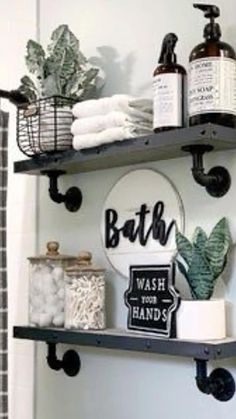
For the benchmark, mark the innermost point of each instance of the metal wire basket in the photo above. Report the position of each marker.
(44, 125)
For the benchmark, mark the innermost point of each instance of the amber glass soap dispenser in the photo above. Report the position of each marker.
(168, 88)
(212, 76)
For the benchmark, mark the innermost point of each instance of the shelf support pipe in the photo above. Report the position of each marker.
(220, 383)
(217, 181)
(70, 362)
(73, 196)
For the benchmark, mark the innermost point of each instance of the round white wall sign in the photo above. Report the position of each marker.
(138, 220)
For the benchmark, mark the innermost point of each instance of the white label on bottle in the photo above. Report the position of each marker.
(167, 100)
(212, 86)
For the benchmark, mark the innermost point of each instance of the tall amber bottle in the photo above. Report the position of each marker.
(168, 88)
(212, 76)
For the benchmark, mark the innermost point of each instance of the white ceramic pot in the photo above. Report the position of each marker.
(201, 320)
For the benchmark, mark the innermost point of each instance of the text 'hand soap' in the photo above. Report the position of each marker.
(212, 76)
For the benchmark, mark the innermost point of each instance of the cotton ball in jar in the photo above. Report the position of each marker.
(45, 270)
(45, 319)
(58, 273)
(61, 293)
(34, 318)
(52, 310)
(36, 268)
(51, 304)
(58, 320)
(37, 302)
(36, 283)
(49, 286)
(60, 305)
(51, 299)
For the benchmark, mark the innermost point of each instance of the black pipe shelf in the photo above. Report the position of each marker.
(131, 341)
(161, 146)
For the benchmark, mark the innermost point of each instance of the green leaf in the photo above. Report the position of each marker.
(65, 71)
(206, 258)
(28, 88)
(200, 277)
(217, 246)
(74, 84)
(26, 81)
(62, 62)
(90, 75)
(182, 268)
(82, 60)
(184, 247)
(79, 88)
(51, 86)
(87, 92)
(35, 58)
(63, 52)
(200, 239)
(61, 38)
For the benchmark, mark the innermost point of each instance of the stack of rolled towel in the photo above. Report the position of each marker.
(115, 118)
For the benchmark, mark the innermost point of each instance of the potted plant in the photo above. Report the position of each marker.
(62, 76)
(201, 262)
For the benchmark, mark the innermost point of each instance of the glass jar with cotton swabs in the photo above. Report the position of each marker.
(85, 294)
(47, 287)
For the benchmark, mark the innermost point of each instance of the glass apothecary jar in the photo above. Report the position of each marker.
(47, 287)
(85, 294)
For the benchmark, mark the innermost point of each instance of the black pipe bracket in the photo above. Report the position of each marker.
(70, 362)
(73, 196)
(220, 383)
(217, 181)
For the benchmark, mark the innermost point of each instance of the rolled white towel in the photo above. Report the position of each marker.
(142, 104)
(124, 103)
(101, 106)
(112, 119)
(107, 136)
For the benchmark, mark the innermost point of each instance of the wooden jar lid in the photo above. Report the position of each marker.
(52, 253)
(83, 264)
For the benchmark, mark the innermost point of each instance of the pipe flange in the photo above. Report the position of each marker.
(73, 199)
(71, 363)
(220, 187)
(223, 384)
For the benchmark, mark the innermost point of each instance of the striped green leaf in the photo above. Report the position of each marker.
(200, 277)
(217, 246)
(205, 258)
(200, 239)
(184, 247)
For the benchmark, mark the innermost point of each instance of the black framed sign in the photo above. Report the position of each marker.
(152, 299)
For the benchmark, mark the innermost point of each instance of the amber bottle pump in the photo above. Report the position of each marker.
(212, 81)
(168, 88)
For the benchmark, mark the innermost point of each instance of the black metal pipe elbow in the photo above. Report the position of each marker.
(203, 178)
(53, 362)
(203, 385)
(54, 193)
(217, 181)
(73, 196)
(70, 362)
(220, 383)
